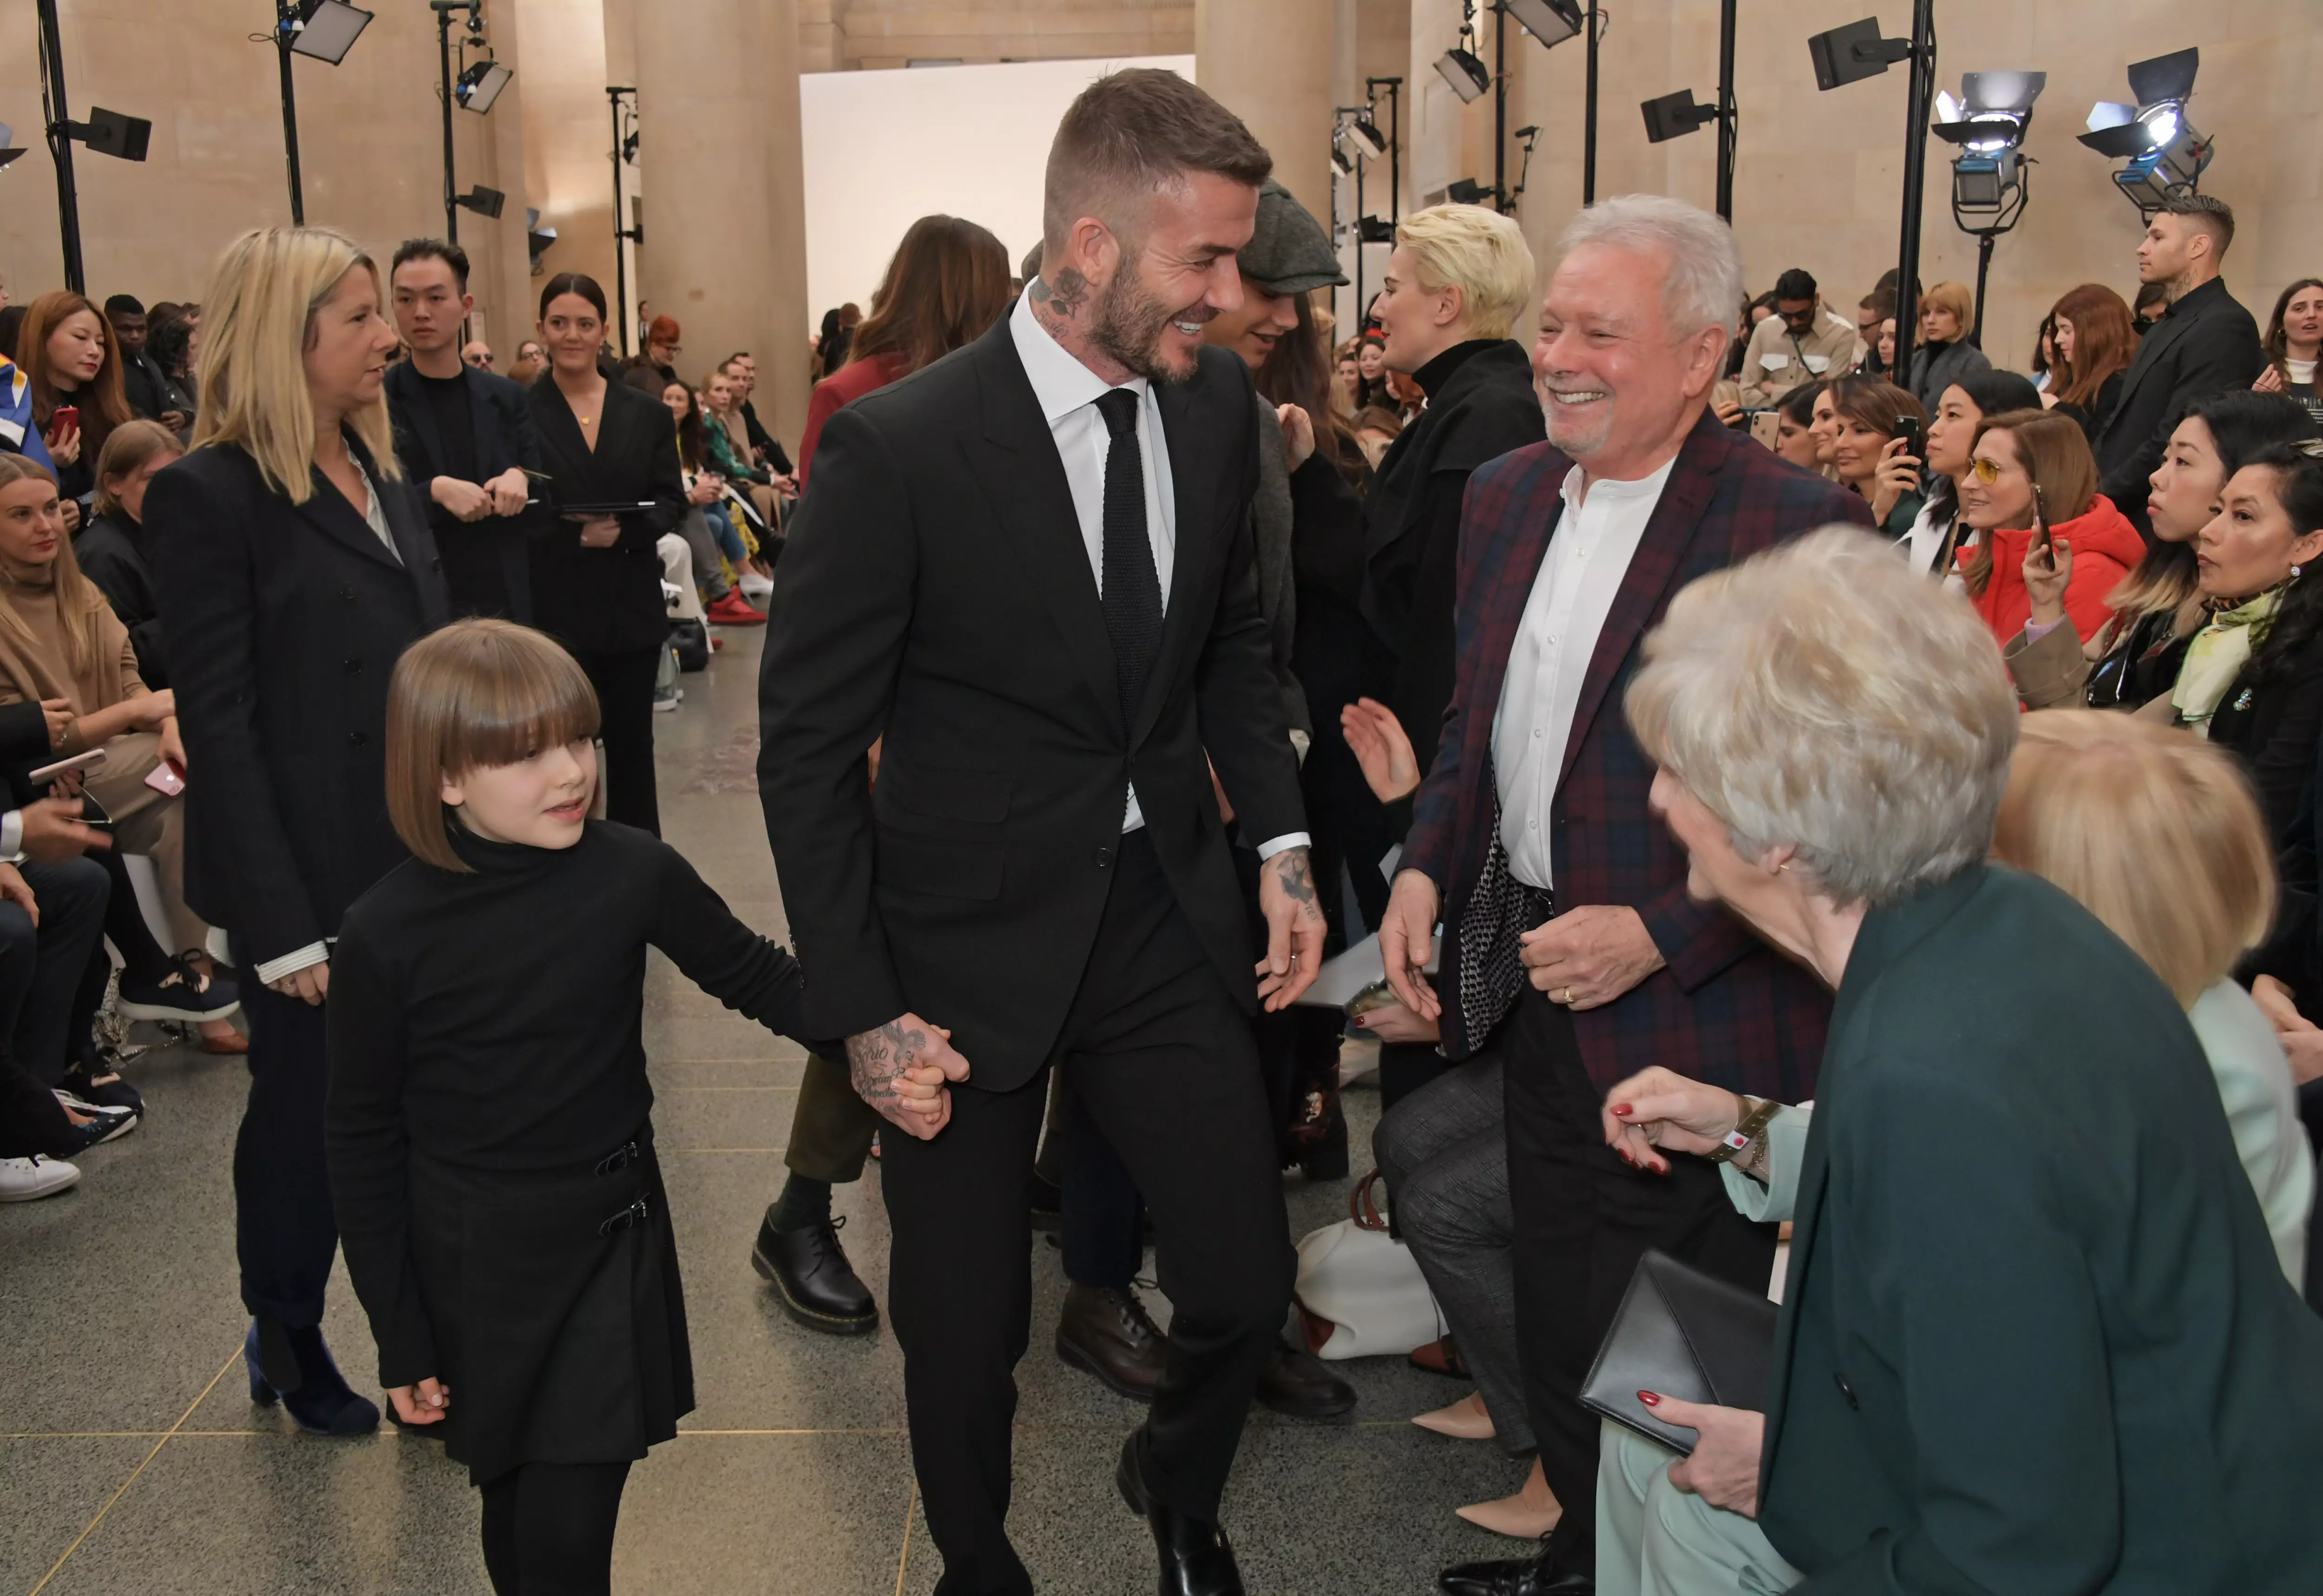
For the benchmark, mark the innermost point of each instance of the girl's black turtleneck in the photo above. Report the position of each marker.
(492, 1021)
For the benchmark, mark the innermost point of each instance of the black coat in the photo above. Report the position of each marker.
(2205, 343)
(151, 390)
(111, 550)
(1481, 404)
(605, 601)
(936, 588)
(486, 564)
(285, 622)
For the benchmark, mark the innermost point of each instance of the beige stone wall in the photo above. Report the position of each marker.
(370, 141)
(569, 134)
(853, 34)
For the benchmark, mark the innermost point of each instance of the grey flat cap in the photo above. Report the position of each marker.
(1289, 252)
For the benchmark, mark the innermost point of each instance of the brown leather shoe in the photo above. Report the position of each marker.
(1107, 1332)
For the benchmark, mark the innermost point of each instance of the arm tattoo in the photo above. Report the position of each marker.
(875, 1059)
(1295, 875)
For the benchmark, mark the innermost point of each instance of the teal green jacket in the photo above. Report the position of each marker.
(2034, 1336)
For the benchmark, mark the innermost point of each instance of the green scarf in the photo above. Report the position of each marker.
(2217, 656)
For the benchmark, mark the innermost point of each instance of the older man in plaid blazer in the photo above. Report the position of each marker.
(1570, 930)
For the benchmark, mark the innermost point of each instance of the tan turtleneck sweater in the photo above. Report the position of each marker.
(42, 668)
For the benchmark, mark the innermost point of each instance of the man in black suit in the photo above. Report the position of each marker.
(143, 383)
(464, 435)
(1029, 566)
(2205, 343)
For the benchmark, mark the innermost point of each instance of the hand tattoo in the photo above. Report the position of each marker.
(876, 1059)
(1294, 872)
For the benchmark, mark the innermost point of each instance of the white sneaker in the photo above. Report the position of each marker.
(28, 1179)
(754, 585)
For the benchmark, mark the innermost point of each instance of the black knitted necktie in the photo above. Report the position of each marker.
(1132, 592)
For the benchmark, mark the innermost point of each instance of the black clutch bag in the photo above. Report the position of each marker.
(1682, 1333)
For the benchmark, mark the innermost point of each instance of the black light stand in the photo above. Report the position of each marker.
(1921, 51)
(60, 137)
(1501, 201)
(1589, 114)
(443, 10)
(1726, 111)
(286, 15)
(622, 234)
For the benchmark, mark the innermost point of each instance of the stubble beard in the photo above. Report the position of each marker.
(1127, 326)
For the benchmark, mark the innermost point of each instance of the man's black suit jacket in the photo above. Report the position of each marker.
(936, 590)
(2205, 343)
(485, 563)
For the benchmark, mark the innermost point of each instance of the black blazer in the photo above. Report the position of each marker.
(936, 589)
(605, 601)
(2034, 1336)
(2205, 343)
(486, 566)
(111, 550)
(285, 622)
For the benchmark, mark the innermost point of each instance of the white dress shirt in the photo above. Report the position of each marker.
(1588, 555)
(1066, 393)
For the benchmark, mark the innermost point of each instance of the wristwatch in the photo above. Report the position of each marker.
(1756, 1112)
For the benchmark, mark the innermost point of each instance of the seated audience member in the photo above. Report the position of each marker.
(945, 285)
(1371, 364)
(476, 353)
(1795, 438)
(1874, 311)
(1800, 342)
(1944, 354)
(1824, 427)
(68, 351)
(2151, 304)
(1980, 1362)
(1375, 428)
(111, 549)
(1951, 439)
(1868, 450)
(729, 453)
(2134, 659)
(2044, 359)
(707, 529)
(2295, 341)
(2206, 344)
(531, 361)
(144, 385)
(170, 340)
(2095, 344)
(656, 365)
(766, 449)
(2029, 466)
(1350, 379)
(61, 644)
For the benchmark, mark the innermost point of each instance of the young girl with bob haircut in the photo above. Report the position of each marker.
(488, 1124)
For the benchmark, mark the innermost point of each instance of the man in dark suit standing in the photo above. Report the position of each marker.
(1029, 567)
(1570, 934)
(2205, 343)
(464, 435)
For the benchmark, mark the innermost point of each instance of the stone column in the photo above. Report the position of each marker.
(1269, 62)
(725, 248)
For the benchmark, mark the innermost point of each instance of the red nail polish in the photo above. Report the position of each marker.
(1622, 1108)
(1649, 1399)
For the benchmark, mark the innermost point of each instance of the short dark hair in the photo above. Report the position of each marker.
(432, 249)
(2212, 214)
(738, 354)
(123, 305)
(1135, 131)
(1795, 285)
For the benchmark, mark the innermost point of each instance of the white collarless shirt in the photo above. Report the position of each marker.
(1066, 393)
(1589, 554)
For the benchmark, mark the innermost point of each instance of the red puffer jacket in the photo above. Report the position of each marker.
(2105, 548)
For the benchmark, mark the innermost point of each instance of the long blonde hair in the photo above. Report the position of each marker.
(257, 318)
(79, 600)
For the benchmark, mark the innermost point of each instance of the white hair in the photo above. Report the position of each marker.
(1826, 695)
(1703, 287)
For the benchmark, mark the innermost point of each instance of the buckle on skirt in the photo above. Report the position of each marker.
(634, 1213)
(620, 1159)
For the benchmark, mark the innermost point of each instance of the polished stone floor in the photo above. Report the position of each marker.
(132, 1460)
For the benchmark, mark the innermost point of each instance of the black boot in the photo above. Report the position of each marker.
(810, 1272)
(1537, 1576)
(1299, 1385)
(1197, 1559)
(295, 1368)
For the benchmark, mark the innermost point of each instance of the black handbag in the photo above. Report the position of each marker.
(691, 638)
(1681, 1333)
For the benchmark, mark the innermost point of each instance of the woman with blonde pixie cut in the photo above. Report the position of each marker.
(2156, 833)
(2025, 1254)
(1458, 279)
(294, 565)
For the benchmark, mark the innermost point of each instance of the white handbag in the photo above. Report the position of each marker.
(1360, 1292)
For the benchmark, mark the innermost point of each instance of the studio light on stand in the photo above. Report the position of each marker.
(625, 153)
(1675, 115)
(487, 203)
(1852, 53)
(480, 85)
(1990, 184)
(2165, 156)
(477, 85)
(1356, 142)
(107, 133)
(322, 30)
(8, 154)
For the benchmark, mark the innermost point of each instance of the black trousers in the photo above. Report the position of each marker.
(1583, 1218)
(285, 1229)
(1162, 1057)
(549, 1528)
(625, 689)
(41, 968)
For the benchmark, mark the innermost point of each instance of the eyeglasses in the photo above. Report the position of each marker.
(1986, 471)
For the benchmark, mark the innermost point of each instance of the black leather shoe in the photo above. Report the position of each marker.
(1107, 1332)
(1514, 1576)
(810, 1271)
(1299, 1385)
(1195, 1558)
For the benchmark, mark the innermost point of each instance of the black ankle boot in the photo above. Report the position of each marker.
(295, 1368)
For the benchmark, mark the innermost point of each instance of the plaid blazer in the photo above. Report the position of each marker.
(1725, 1008)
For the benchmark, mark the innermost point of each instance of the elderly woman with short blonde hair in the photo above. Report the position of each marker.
(2026, 1266)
